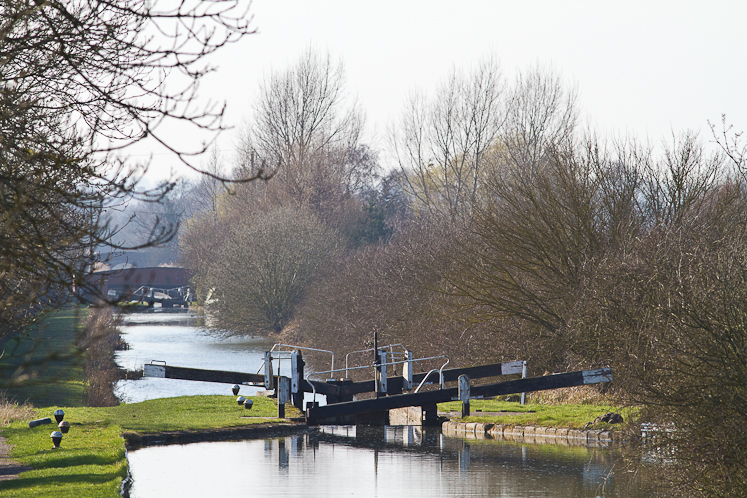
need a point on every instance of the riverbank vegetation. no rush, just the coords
(503, 230)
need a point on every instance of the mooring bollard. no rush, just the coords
(64, 427)
(41, 421)
(56, 439)
(59, 415)
(240, 400)
(464, 394)
(235, 389)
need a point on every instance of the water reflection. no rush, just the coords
(382, 461)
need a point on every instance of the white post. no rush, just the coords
(407, 370)
(524, 373)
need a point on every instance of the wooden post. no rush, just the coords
(382, 381)
(377, 362)
(430, 414)
(464, 394)
(268, 371)
(297, 365)
(283, 395)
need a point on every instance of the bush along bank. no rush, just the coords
(99, 341)
(67, 359)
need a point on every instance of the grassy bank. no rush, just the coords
(91, 461)
(568, 416)
(171, 414)
(47, 361)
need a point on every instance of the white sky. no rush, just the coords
(643, 68)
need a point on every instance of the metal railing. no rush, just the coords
(391, 351)
(280, 352)
(440, 376)
(313, 387)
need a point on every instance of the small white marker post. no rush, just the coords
(524, 375)
(464, 394)
(407, 371)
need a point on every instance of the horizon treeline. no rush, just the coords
(504, 231)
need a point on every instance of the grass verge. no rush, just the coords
(172, 414)
(570, 416)
(91, 460)
(90, 463)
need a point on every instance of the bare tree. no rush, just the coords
(308, 133)
(303, 115)
(678, 182)
(100, 68)
(731, 142)
(445, 143)
(542, 115)
(208, 190)
(619, 257)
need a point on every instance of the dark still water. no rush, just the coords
(377, 462)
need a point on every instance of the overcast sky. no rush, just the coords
(641, 68)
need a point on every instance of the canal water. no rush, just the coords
(340, 460)
(377, 462)
(180, 339)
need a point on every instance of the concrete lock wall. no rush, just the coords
(529, 434)
(411, 415)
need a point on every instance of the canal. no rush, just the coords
(180, 339)
(337, 460)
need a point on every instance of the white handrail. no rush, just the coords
(440, 376)
(305, 349)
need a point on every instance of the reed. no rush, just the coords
(11, 410)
